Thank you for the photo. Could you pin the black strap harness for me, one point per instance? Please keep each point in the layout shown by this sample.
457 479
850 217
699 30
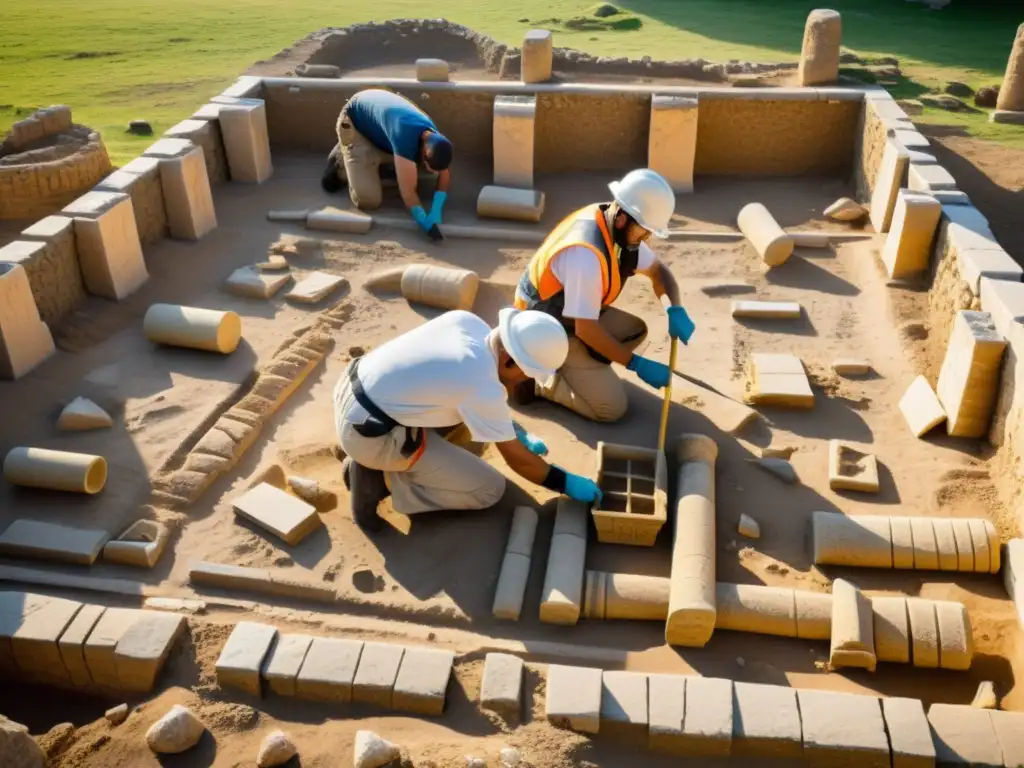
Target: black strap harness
379 423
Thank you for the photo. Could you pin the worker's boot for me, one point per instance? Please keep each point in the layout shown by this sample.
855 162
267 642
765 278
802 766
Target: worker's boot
367 489
332 181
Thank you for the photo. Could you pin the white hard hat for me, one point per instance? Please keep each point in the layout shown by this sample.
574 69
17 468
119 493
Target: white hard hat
535 340
647 197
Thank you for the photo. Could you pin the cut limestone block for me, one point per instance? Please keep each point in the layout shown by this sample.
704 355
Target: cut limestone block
921 408
514 118
563 583
853 633
81 415
985 697
846 210
929 178
980 542
243 125
101 644
708 723
994 546
336 220
241 660
515 567
964 545
969 377
666 705
72 642
764 233
864 541
328 71
374 682
538 54
574 698
908 245
37 540
624 705
25 340
109 249
209 330
924 632
755 608
765 722
850 469
813 615
140 545
819 57
142 650
510 203
287 517
634 506
672 140
432 70
34 642
1004 300
956 639
779 380
748 526
902 542
945 544
910 738
186 187
422 682
775 310
440 287
55 470
910 139
284 661
964 736
49 255
851 366
502 688
892 629
692 595
926 553
328 670
1009 728
843 729
314 287
254 283
888 180
14 606
1013 575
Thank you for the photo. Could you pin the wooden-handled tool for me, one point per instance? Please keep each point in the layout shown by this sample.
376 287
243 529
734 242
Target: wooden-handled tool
668 398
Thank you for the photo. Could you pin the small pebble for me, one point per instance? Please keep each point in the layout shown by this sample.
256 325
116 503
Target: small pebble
117 715
748 527
509 757
740 661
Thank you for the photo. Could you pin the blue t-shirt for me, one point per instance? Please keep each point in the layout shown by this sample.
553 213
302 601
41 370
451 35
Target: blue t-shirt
390 122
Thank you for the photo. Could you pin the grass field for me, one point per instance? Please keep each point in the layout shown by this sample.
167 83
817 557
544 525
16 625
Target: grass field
114 60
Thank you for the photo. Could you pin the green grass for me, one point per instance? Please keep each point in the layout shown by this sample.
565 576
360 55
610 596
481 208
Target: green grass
115 60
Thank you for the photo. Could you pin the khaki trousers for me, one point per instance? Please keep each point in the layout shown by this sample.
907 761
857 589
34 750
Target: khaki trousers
589 387
445 476
361 162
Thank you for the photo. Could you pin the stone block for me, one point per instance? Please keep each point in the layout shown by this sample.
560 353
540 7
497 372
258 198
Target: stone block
509 203
240 662
37 540
1004 301
980 541
929 178
755 608
25 340
850 469
765 722
956 639
888 180
994 547
281 669
422 682
853 634
243 126
432 70
924 632
813 615
205 134
921 408
708 723
779 380
101 645
964 736
287 517
771 242
48 253
142 650
34 642
574 698
969 377
891 629
908 245
328 670
624 705
672 140
967 229
1006 116
819 56
514 118
1013 574
666 708
255 284
910 738
902 542
841 729
109 249
314 287
863 541
537 57
910 139
81 415
523 531
945 544
926 551
964 545
1009 728
374 682
512 579
563 582
72 644
141 545
186 188
502 688
774 310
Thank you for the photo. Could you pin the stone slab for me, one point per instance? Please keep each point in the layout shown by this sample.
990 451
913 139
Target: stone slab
72 644
994 263
956 640
240 662
328 670
853 635
422 683
813 615
1004 300
282 665
243 125
101 645
624 705
512 579
1009 728
969 377
708 722
574 698
672 140
921 408
929 178
850 469
774 310
142 650
864 541
34 642
779 380
842 729
666 710
964 736
37 540
376 674
254 284
502 688
765 722
910 738
314 287
888 180
563 582
287 517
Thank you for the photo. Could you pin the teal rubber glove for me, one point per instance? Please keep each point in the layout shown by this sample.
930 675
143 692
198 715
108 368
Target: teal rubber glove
650 371
420 217
680 326
533 443
582 489
436 208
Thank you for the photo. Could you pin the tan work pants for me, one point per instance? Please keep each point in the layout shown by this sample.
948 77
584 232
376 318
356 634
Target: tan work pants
361 161
589 387
444 477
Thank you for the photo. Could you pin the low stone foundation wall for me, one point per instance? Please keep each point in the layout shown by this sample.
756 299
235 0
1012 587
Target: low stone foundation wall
53 273
870 144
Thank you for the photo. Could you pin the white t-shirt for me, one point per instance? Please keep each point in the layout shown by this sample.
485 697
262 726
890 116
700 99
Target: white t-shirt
578 269
439 375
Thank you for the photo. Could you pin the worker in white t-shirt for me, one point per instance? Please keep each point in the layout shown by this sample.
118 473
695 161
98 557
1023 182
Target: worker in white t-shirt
575 276
393 406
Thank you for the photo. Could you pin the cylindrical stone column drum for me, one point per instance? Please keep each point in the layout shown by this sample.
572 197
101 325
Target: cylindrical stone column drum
210 330
764 233
439 286
55 470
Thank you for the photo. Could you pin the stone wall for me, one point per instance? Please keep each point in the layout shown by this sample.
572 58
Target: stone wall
53 271
870 144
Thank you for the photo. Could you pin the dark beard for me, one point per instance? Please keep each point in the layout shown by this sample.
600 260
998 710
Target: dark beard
629 255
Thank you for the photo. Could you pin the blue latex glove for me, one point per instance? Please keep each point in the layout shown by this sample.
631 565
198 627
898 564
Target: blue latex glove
436 208
420 217
582 489
533 443
650 371
680 326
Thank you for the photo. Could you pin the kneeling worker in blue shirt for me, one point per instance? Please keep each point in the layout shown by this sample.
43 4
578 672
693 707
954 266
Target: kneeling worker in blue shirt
378 127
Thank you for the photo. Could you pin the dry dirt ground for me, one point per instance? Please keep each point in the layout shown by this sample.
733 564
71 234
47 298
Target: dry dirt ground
432 578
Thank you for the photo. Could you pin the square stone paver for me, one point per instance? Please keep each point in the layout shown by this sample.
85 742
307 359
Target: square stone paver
502 688
72 643
34 643
142 650
422 682
765 721
241 661
964 735
624 705
282 665
707 726
841 729
287 517
574 697
374 682
666 710
328 670
910 738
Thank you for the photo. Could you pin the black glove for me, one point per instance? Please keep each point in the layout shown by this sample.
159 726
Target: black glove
330 181
434 233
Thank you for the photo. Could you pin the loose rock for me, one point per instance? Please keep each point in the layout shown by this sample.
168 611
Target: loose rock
509 757
306 489
778 452
986 698
845 209
56 741
475 762
781 468
371 751
846 366
175 732
748 527
277 749
943 101
17 748
953 88
987 96
140 128
117 715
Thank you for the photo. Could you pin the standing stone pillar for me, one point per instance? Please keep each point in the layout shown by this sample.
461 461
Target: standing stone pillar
538 53
819 59
1010 105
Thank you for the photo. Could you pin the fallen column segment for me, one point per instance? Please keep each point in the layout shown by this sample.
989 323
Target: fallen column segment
969 377
509 203
770 241
853 634
515 566
562 596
